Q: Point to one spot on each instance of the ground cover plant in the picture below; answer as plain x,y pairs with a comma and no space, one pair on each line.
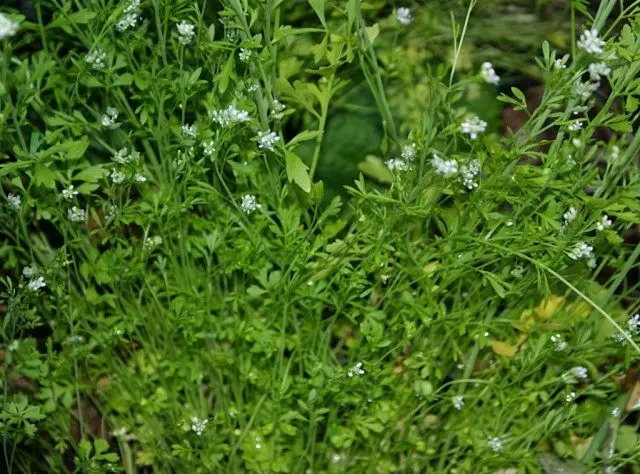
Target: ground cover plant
278,236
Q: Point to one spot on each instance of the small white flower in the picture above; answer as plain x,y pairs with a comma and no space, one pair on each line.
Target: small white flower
458,402
245,55
445,167
575,126
151,242
7,27
77,339
229,116
110,211
277,109
468,173
267,140
198,425
581,250
559,343
403,15
110,118
117,177
489,74
36,284
616,412
574,374
120,432
336,458
190,130
571,396
570,215
249,204
562,62
604,223
578,109
76,215
615,153
96,59
584,90
634,323
397,164
473,126
185,32
69,192
598,70
576,142
13,346
140,178
495,444
619,338
409,151
207,148
30,271
129,17
356,370
590,42
14,200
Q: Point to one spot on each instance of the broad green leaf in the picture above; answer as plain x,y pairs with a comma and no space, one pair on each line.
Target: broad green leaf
303,136
297,171
44,176
373,167
10,167
90,175
123,80
318,7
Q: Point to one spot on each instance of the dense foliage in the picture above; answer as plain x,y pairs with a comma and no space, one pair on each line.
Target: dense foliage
282,236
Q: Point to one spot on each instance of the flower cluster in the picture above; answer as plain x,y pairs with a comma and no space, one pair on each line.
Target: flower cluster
634,323
110,118
198,425
495,444
458,402
584,90
473,126
14,201
397,164
356,370
117,176
489,74
207,148
468,174
96,59
581,250
403,15
558,342
229,116
561,63
123,156
245,55
575,126
129,18
604,223
575,374
36,284
151,242
69,192
249,204
190,130
7,27
277,109
445,167
409,152
76,215
590,42
570,215
185,32
598,70
267,140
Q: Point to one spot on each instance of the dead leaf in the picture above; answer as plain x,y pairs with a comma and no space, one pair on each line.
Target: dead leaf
633,402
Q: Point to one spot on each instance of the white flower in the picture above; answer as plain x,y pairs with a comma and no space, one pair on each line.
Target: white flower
581,250
634,323
267,140
249,204
123,156
30,271
13,346
615,153
495,444
578,109
185,32
585,89
277,108
190,130
570,215
604,223
76,215
151,242
14,200
207,148
575,126
590,42
120,432
110,118
597,70
571,396
336,458
245,54
559,343
489,74
397,164
409,152
117,177
140,178
616,412
458,402
69,192
7,27
36,284
575,374
229,116
619,338
576,142
445,167
356,370
562,62
403,15
110,211
472,126
129,17
198,425
468,173
96,59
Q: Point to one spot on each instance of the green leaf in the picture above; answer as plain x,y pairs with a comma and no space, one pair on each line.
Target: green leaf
497,285
318,7
226,74
373,167
87,188
297,171
100,445
125,79
303,136
10,167
90,175
44,176
76,149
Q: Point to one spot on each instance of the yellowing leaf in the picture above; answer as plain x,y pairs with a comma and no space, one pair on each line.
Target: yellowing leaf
372,32
431,267
503,348
633,402
548,309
